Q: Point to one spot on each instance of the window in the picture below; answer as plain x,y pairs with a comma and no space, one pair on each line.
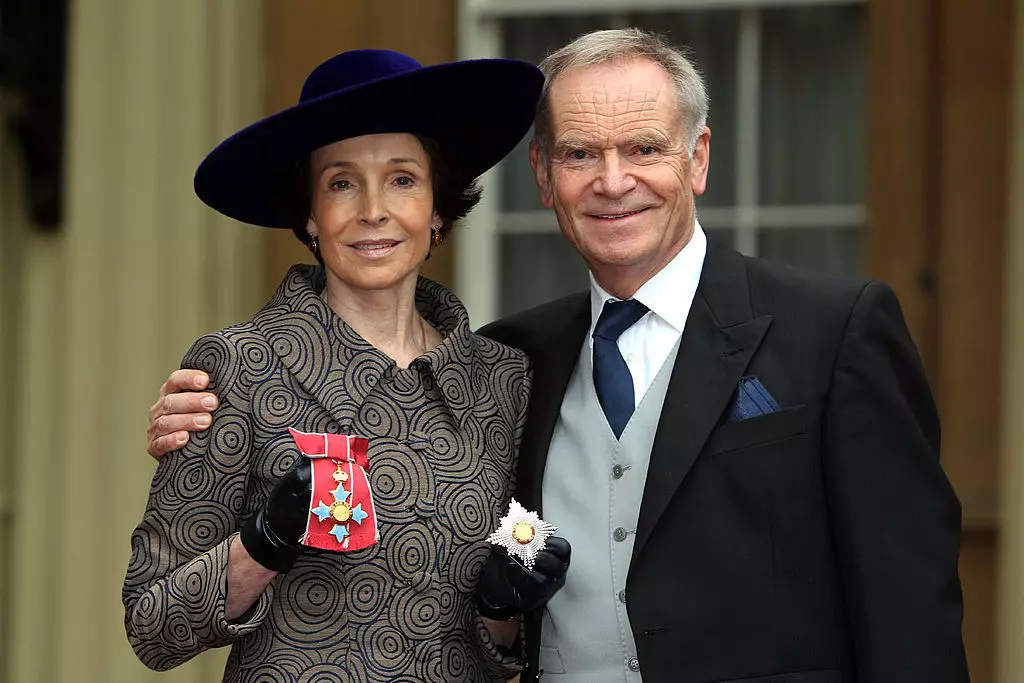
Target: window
786,82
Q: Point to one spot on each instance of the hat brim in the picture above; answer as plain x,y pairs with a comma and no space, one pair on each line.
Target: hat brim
475,110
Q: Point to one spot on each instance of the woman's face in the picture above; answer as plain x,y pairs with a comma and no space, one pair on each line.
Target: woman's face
372,208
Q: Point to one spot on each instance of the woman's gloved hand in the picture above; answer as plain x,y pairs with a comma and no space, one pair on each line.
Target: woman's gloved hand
508,588
271,536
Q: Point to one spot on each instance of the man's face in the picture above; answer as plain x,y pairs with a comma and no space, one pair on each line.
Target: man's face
619,173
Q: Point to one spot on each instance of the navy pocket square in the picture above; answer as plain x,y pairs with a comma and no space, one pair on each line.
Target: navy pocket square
752,400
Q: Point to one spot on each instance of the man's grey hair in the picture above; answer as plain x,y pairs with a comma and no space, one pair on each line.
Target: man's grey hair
600,47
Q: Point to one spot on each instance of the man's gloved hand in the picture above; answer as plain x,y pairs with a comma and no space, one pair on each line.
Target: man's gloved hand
507,587
271,536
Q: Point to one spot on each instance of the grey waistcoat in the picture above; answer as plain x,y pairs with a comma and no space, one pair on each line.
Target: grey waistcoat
592,490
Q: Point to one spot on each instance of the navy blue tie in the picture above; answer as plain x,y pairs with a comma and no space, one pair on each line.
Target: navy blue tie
612,380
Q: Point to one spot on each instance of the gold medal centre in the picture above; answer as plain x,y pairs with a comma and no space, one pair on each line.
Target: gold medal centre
523,532
341,512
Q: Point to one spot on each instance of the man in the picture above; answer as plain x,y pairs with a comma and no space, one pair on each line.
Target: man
743,456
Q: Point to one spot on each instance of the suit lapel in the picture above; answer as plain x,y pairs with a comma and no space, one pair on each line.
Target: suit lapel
718,342
554,359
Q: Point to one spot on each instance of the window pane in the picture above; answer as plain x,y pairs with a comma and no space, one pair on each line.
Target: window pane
813,106
828,250
533,37
538,268
710,37
518,188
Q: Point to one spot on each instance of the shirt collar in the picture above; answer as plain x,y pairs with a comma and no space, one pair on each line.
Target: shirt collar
667,289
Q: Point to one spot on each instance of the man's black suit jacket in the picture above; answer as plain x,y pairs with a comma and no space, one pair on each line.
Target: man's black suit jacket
817,544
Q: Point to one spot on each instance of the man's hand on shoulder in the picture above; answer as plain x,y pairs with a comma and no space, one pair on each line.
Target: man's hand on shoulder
181,408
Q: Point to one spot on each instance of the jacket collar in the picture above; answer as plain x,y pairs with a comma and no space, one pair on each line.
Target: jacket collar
319,348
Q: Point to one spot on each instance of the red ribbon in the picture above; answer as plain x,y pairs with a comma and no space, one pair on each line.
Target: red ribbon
341,512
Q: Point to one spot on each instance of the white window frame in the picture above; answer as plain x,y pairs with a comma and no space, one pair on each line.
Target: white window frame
477,265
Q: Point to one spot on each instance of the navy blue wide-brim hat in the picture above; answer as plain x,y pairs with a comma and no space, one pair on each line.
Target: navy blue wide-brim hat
475,110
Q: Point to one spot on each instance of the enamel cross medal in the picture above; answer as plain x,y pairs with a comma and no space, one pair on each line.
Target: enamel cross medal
522,533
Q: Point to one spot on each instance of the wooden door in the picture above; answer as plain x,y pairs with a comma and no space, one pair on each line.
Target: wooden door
939,94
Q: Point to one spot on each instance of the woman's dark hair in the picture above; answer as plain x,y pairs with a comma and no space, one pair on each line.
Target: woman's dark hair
455,193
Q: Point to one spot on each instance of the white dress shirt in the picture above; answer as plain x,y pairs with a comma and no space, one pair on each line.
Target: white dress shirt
668,295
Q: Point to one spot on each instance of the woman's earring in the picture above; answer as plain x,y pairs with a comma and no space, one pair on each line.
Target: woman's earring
312,244
435,239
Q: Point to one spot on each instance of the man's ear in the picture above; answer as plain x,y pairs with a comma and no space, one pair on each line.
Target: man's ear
541,172
700,161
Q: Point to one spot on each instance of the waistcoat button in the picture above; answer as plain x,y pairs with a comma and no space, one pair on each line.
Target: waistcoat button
619,534
622,596
617,471
633,664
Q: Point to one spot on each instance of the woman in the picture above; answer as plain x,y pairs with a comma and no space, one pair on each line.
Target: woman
370,170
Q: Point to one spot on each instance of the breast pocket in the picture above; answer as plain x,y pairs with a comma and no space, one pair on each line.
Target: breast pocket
764,429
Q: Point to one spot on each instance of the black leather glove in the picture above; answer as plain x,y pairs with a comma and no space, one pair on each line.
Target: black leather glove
507,587
271,536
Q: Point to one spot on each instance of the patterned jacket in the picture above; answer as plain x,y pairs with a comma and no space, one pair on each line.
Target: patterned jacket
444,437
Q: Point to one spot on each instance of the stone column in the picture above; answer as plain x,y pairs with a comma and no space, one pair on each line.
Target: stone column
107,308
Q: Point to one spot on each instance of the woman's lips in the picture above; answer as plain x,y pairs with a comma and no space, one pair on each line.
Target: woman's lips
375,248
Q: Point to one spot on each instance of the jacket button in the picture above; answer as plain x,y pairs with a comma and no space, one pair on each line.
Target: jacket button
619,534
622,597
633,664
617,471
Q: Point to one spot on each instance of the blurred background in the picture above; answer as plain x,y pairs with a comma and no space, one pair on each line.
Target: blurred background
874,137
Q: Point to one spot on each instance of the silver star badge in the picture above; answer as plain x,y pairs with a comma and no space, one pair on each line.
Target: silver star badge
522,533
